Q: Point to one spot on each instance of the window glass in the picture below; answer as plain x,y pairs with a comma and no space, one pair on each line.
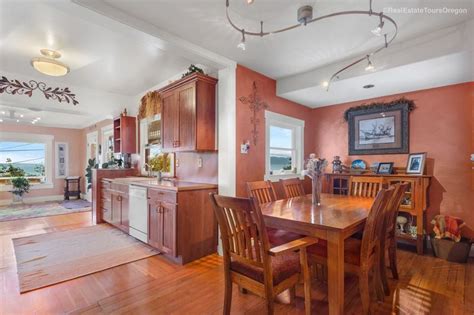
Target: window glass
29,157
281,137
281,160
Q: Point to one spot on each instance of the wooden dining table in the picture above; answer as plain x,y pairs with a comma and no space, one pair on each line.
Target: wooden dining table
337,218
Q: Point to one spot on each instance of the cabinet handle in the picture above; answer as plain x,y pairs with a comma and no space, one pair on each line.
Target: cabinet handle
119,198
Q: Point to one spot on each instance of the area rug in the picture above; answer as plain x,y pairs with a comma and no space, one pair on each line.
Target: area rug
50,258
34,210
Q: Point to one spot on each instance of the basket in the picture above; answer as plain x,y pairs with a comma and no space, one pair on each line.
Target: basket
450,250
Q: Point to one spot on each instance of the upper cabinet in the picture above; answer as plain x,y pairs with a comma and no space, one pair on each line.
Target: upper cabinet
125,133
188,111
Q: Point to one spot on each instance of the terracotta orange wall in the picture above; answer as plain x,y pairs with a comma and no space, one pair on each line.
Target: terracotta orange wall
441,125
76,147
251,166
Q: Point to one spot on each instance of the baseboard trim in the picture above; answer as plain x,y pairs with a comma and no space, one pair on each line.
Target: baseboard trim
5,202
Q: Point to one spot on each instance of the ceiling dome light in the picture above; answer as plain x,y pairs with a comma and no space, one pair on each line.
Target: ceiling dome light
48,64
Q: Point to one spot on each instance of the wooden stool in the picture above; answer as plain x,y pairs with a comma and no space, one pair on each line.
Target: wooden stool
72,187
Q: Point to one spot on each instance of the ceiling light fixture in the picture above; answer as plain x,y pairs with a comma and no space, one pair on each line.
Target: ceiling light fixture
325,84
241,45
48,64
378,30
250,1
305,16
368,86
370,66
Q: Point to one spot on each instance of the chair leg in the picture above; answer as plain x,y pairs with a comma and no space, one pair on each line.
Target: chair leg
392,256
383,274
227,295
364,291
378,283
269,299
307,281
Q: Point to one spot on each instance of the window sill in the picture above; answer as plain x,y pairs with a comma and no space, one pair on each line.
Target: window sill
275,178
32,187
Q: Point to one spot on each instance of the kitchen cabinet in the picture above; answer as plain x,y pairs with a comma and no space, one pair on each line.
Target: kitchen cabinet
114,205
189,114
162,221
125,133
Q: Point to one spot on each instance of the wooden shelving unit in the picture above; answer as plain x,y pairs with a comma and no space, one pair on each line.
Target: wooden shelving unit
414,202
125,132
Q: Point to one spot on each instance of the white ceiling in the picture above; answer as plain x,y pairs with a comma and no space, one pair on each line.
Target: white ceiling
204,23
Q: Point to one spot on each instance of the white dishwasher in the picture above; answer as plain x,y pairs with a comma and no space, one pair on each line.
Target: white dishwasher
138,214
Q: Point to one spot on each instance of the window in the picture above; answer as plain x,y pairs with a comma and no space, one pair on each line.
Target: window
284,146
28,155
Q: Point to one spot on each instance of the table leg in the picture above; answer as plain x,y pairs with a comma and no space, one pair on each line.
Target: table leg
335,272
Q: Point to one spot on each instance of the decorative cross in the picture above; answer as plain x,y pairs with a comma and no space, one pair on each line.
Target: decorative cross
255,105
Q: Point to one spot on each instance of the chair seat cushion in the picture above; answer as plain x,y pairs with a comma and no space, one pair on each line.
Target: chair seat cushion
351,250
279,237
283,267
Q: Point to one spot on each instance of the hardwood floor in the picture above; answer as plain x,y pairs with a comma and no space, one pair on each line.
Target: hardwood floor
155,286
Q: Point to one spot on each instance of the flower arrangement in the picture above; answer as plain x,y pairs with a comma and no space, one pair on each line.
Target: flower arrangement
314,170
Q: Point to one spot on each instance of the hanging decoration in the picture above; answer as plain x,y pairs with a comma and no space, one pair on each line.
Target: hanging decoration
15,87
150,105
255,105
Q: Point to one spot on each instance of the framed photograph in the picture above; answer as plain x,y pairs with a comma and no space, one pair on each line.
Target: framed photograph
385,168
416,163
62,159
379,130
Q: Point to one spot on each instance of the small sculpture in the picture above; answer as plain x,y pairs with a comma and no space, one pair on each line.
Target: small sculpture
337,165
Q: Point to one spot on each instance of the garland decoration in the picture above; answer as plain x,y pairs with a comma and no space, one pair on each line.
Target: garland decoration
15,87
381,105
192,69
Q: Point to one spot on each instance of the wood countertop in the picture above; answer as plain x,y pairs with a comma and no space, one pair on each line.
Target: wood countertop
175,185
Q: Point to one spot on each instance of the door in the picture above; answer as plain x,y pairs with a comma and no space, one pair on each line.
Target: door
170,123
168,238
187,117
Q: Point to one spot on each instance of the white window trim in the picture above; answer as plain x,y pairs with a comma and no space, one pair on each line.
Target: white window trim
48,159
276,119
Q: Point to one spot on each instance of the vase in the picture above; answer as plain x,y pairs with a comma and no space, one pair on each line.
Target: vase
316,190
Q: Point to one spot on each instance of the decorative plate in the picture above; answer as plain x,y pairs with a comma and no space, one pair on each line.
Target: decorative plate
358,165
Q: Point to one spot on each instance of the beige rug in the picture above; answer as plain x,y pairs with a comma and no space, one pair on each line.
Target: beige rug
50,258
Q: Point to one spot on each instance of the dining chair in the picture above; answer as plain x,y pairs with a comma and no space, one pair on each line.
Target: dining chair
389,242
264,192
361,256
250,262
364,186
292,187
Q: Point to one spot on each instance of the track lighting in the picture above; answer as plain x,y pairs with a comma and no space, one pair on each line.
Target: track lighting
378,30
370,66
241,45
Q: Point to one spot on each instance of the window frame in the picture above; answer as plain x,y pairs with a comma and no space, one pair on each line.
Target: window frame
47,140
297,126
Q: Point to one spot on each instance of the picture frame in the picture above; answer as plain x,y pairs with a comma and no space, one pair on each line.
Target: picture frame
385,168
62,159
416,163
379,130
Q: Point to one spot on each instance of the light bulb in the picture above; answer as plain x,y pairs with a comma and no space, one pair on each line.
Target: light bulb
250,1
369,67
241,45
21,116
325,84
33,122
378,30
17,120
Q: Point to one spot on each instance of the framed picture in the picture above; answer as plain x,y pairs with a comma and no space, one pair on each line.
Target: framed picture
62,159
416,163
385,168
379,130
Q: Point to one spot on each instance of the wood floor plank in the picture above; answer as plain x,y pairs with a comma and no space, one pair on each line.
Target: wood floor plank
157,286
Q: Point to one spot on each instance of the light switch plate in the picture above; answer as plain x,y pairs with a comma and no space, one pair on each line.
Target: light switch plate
199,161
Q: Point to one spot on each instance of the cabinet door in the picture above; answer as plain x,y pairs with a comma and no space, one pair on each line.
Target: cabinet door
187,117
154,223
170,121
116,209
168,239
124,213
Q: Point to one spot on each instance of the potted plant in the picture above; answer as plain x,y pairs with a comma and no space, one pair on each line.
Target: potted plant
21,185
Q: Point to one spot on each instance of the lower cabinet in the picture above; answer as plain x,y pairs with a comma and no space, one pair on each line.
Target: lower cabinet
162,225
115,208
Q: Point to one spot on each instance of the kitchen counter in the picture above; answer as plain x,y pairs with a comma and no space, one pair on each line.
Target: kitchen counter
175,185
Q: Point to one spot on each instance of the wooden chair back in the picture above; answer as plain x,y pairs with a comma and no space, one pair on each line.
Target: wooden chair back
392,209
292,187
364,186
374,224
262,191
243,232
